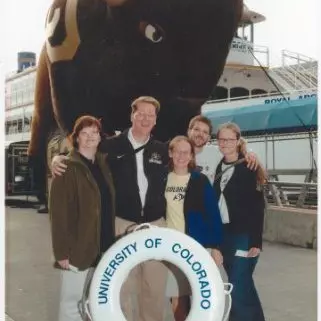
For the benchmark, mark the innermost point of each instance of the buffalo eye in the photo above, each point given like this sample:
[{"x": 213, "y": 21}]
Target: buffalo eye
[{"x": 152, "y": 32}]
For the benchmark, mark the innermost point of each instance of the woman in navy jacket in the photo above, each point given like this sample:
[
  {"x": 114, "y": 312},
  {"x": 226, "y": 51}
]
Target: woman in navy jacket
[
  {"x": 241, "y": 204},
  {"x": 191, "y": 209}
]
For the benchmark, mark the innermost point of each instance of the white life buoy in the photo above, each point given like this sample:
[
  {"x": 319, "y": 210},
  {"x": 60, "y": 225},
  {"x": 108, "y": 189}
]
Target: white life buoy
[{"x": 208, "y": 296}]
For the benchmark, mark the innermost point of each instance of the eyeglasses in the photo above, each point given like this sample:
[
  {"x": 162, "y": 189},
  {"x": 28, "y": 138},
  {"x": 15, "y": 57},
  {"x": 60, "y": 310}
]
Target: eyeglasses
[
  {"x": 199, "y": 131},
  {"x": 227, "y": 141},
  {"x": 92, "y": 134},
  {"x": 182, "y": 153},
  {"x": 140, "y": 116}
]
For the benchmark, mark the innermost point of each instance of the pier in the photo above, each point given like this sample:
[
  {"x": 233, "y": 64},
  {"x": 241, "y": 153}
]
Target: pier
[{"x": 286, "y": 276}]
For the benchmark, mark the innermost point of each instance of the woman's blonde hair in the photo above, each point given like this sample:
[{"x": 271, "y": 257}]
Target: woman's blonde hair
[
  {"x": 261, "y": 175},
  {"x": 172, "y": 144}
]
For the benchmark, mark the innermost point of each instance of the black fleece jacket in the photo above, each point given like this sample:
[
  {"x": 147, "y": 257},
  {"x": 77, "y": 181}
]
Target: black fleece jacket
[
  {"x": 245, "y": 203},
  {"x": 122, "y": 161}
]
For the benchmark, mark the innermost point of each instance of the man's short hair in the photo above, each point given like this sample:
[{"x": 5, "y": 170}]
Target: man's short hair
[
  {"x": 202, "y": 119},
  {"x": 146, "y": 99}
]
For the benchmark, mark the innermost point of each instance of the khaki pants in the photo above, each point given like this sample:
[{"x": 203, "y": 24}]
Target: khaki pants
[{"x": 146, "y": 282}]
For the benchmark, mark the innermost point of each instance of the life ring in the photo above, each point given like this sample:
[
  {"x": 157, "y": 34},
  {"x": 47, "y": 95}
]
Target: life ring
[{"x": 208, "y": 295}]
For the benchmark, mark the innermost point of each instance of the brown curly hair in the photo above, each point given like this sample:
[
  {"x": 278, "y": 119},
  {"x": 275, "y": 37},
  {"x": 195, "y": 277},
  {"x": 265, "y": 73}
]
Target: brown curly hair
[{"x": 82, "y": 122}]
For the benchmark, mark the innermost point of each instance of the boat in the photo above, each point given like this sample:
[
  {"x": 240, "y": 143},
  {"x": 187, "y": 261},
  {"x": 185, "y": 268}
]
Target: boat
[{"x": 275, "y": 107}]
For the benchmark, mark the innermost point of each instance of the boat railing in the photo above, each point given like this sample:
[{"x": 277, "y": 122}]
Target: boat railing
[
  {"x": 294, "y": 57},
  {"x": 297, "y": 71},
  {"x": 271, "y": 94},
  {"x": 302, "y": 76},
  {"x": 262, "y": 54},
  {"x": 292, "y": 194},
  {"x": 245, "y": 52}
]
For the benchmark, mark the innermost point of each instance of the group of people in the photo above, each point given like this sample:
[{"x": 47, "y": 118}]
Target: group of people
[{"x": 107, "y": 186}]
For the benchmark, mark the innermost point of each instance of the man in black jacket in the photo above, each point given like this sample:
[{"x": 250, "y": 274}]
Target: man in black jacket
[
  {"x": 139, "y": 167},
  {"x": 138, "y": 164}
]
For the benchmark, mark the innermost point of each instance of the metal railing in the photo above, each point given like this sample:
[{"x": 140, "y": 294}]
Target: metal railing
[
  {"x": 262, "y": 54},
  {"x": 292, "y": 194},
  {"x": 297, "y": 72},
  {"x": 289, "y": 57}
]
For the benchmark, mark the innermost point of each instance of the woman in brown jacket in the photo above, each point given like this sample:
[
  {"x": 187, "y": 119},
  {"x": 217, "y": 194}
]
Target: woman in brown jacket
[{"x": 82, "y": 214}]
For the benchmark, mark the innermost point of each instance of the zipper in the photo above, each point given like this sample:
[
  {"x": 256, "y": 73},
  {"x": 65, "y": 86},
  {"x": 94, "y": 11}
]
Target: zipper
[
  {"x": 185, "y": 210},
  {"x": 98, "y": 218},
  {"x": 145, "y": 164}
]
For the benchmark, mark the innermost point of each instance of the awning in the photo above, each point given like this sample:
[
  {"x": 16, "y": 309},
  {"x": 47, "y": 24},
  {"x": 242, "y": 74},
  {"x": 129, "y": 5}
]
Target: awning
[{"x": 291, "y": 116}]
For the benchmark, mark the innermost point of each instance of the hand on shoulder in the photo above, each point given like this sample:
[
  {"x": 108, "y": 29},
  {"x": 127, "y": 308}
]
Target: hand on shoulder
[{"x": 58, "y": 165}]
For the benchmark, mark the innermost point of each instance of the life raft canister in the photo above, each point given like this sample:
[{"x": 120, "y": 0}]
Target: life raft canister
[{"x": 208, "y": 295}]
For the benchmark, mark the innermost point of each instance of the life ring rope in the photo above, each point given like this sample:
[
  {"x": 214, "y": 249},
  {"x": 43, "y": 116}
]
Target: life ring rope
[{"x": 144, "y": 225}]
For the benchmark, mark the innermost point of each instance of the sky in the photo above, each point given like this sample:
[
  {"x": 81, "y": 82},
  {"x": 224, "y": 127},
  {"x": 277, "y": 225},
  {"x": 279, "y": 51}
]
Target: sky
[{"x": 290, "y": 24}]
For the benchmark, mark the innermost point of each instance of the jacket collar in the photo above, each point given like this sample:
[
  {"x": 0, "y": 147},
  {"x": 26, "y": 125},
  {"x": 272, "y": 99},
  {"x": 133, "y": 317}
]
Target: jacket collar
[
  {"x": 75, "y": 157},
  {"x": 124, "y": 134},
  {"x": 133, "y": 141},
  {"x": 195, "y": 174}
]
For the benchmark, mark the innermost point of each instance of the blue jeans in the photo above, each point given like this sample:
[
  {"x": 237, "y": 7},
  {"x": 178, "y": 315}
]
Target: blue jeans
[{"x": 246, "y": 305}]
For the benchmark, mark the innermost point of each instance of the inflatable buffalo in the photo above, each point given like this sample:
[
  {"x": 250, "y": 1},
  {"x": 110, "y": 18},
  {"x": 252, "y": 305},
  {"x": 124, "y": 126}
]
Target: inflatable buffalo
[{"x": 101, "y": 54}]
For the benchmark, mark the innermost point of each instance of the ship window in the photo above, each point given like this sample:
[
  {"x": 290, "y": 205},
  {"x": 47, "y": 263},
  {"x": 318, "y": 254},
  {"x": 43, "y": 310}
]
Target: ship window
[
  {"x": 256, "y": 92},
  {"x": 27, "y": 122},
  {"x": 239, "y": 92},
  {"x": 20, "y": 125},
  {"x": 245, "y": 32},
  {"x": 219, "y": 93},
  {"x": 13, "y": 127},
  {"x": 8, "y": 123}
]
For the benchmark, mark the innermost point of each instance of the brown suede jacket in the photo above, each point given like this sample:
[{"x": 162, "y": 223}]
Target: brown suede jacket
[{"x": 74, "y": 206}]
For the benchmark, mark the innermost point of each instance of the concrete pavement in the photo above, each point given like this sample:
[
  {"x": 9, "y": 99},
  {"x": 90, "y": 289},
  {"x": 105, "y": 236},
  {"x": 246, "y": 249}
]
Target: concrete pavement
[{"x": 286, "y": 277}]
